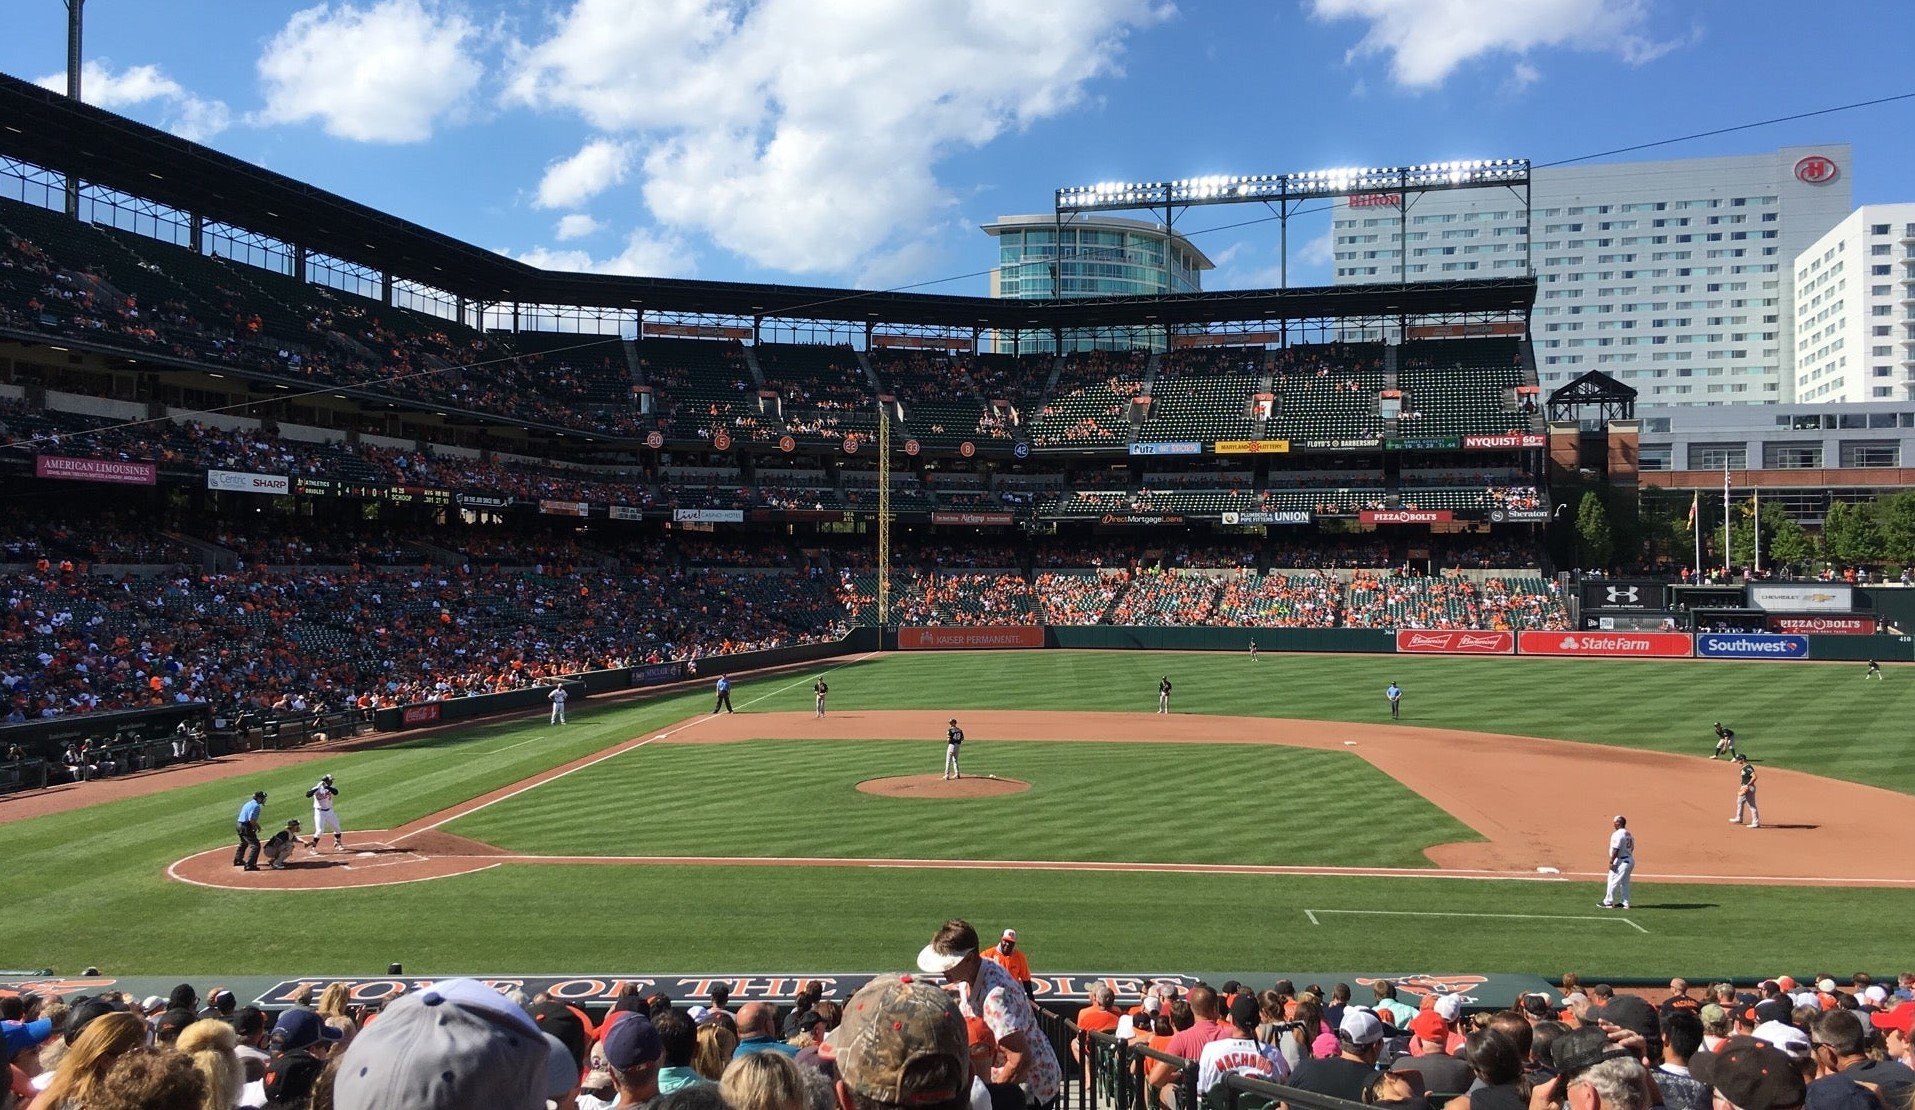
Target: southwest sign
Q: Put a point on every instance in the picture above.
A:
(1751, 645)
(1455, 641)
(1640, 645)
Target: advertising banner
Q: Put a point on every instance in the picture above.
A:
(1823, 626)
(421, 714)
(240, 482)
(958, 639)
(1251, 447)
(710, 516)
(565, 508)
(1139, 519)
(1405, 516)
(1811, 598)
(973, 520)
(1622, 593)
(1283, 516)
(1751, 645)
(1518, 516)
(1641, 645)
(1505, 442)
(1176, 448)
(1423, 443)
(111, 471)
(1455, 641)
(1338, 444)
(624, 512)
(477, 501)
(656, 674)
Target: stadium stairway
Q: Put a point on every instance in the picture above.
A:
(751, 364)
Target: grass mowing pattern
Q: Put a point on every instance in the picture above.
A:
(87, 887)
(744, 799)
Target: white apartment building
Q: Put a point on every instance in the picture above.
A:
(1674, 277)
(1855, 309)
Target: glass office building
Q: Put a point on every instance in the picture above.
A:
(1089, 256)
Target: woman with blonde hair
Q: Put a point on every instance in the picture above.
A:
(83, 1069)
(764, 1081)
(333, 1002)
(715, 1046)
(211, 1045)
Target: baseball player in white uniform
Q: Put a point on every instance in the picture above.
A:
(325, 819)
(558, 696)
(1622, 864)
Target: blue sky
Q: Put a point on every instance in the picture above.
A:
(862, 141)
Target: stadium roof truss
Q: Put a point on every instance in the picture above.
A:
(207, 200)
(1397, 187)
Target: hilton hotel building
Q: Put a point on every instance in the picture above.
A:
(1674, 277)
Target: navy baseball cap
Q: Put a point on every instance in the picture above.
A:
(299, 1028)
(631, 1041)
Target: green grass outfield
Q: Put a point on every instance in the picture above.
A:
(88, 887)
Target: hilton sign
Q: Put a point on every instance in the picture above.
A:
(1816, 170)
(1376, 200)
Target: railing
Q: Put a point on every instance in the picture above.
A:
(1103, 1072)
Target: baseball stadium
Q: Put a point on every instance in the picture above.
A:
(648, 636)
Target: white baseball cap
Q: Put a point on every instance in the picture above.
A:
(933, 962)
(1010, 934)
(1360, 1027)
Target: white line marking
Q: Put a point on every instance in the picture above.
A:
(1312, 915)
(1511, 916)
(175, 875)
(509, 747)
(621, 750)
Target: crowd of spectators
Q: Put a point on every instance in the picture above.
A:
(1409, 600)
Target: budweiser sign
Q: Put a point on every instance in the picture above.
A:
(1405, 516)
(1823, 626)
(1506, 442)
(1642, 645)
(1455, 641)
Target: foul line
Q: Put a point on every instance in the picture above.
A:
(509, 747)
(457, 812)
(1312, 915)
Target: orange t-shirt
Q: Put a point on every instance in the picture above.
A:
(1013, 962)
(1096, 1019)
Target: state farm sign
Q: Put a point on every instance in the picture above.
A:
(1455, 642)
(1642, 645)
(1405, 516)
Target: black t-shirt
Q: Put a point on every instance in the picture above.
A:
(1164, 686)
(1441, 1074)
(955, 735)
(1337, 1077)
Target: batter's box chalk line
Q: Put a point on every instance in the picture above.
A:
(1314, 914)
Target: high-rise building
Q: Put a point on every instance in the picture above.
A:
(1855, 309)
(1090, 256)
(1675, 277)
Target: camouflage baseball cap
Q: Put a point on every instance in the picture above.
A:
(903, 1042)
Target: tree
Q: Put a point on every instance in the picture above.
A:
(1789, 545)
(1895, 522)
(1595, 543)
(1850, 535)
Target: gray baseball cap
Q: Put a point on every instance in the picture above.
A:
(457, 1043)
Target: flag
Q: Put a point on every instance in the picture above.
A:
(1695, 505)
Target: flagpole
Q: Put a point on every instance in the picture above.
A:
(1726, 569)
(1695, 528)
(1758, 530)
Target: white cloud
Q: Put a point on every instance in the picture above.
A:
(804, 136)
(177, 110)
(578, 225)
(570, 182)
(1427, 40)
(646, 254)
(383, 73)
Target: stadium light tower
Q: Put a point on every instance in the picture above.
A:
(75, 25)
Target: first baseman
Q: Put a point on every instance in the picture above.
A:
(819, 689)
(1622, 864)
(247, 854)
(1725, 742)
(558, 696)
(953, 739)
(1745, 795)
(1163, 695)
(324, 819)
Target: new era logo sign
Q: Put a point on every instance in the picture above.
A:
(1622, 595)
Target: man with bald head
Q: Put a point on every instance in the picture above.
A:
(1680, 1000)
(758, 1031)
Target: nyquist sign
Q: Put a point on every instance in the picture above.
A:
(1751, 645)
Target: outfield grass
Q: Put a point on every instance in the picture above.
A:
(750, 798)
(87, 887)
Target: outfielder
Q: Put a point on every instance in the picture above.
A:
(1253, 649)
(280, 848)
(819, 689)
(558, 696)
(1745, 795)
(953, 739)
(1163, 695)
(1622, 864)
(324, 819)
(1874, 671)
(247, 854)
(1725, 742)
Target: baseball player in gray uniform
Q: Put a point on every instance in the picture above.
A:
(1622, 864)
(953, 740)
(558, 696)
(279, 849)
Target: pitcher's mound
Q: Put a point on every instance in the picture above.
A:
(937, 786)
